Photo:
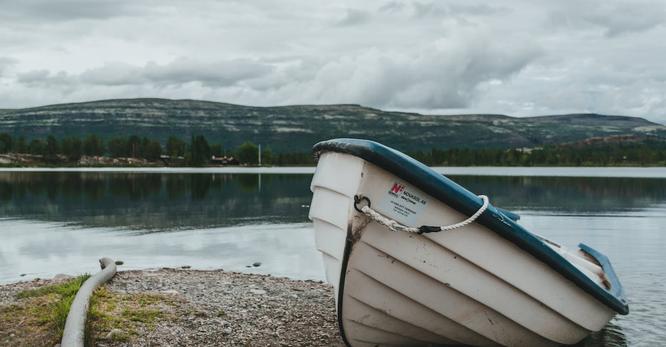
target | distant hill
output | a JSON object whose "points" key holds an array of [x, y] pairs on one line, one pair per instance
{"points": [[297, 128]]}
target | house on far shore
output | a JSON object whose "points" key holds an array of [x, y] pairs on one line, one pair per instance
{"points": [[169, 160], [223, 160]]}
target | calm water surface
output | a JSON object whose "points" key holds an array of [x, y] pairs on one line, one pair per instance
{"points": [[62, 222]]}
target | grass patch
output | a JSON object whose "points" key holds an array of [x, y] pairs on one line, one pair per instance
{"points": [[39, 316], [64, 289], [146, 316], [127, 312], [59, 312], [26, 324]]}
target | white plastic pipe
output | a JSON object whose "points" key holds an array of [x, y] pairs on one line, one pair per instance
{"points": [[74, 333]]}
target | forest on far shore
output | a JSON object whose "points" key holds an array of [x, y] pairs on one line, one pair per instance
{"points": [[200, 152]]}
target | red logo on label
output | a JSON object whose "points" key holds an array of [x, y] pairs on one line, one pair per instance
{"points": [[397, 188]]}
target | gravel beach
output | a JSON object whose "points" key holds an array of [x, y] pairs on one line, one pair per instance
{"points": [[182, 307]]}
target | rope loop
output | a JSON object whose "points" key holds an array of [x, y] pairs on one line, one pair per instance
{"points": [[358, 199], [394, 225]]}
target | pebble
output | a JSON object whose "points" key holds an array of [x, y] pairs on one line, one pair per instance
{"points": [[119, 262], [256, 264], [218, 308], [185, 267], [60, 277], [114, 333]]}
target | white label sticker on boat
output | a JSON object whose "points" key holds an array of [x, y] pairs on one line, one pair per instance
{"points": [[403, 203]]}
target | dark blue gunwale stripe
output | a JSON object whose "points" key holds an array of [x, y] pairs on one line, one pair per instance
{"points": [[466, 202]]}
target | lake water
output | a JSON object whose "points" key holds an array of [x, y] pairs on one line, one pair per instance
{"points": [[62, 222]]}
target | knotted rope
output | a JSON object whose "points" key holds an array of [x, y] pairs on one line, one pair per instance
{"points": [[394, 225]]}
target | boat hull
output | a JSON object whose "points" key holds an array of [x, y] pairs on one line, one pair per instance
{"points": [[467, 286]]}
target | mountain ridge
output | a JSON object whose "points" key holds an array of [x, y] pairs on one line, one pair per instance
{"points": [[294, 128], [500, 115]]}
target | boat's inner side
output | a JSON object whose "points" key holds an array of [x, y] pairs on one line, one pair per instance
{"points": [[465, 286], [583, 262]]}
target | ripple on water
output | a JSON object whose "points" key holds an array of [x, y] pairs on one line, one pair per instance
{"points": [[610, 336]]}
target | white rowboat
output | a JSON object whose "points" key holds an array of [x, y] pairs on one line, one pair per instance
{"points": [[486, 282]]}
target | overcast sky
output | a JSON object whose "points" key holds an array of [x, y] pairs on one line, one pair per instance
{"points": [[513, 57]]}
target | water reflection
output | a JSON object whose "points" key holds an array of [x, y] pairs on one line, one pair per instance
{"points": [[568, 194], [190, 201], [43, 249], [610, 336], [155, 201]]}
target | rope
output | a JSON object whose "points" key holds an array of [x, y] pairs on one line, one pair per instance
{"points": [[394, 225]]}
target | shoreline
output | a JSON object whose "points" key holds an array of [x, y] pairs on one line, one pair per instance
{"points": [[185, 307], [534, 171], [194, 308]]}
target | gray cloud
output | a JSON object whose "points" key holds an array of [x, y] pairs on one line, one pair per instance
{"points": [[392, 6], [353, 17], [441, 9], [67, 10], [613, 18], [5, 63], [523, 58], [45, 78], [180, 71], [441, 75]]}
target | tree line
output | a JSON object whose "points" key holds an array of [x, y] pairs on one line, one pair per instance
{"points": [[644, 153], [199, 151]]}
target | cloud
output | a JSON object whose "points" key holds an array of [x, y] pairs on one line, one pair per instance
{"points": [[179, 72], [612, 18], [457, 56], [33, 76], [392, 6], [443, 74], [577, 85], [6, 63], [45, 78], [114, 74], [628, 18], [67, 10], [440, 9], [353, 17]]}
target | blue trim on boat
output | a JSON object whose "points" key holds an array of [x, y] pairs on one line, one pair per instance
{"points": [[512, 215], [466, 202]]}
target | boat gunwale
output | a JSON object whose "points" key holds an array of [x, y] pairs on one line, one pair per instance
{"points": [[466, 202]]}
